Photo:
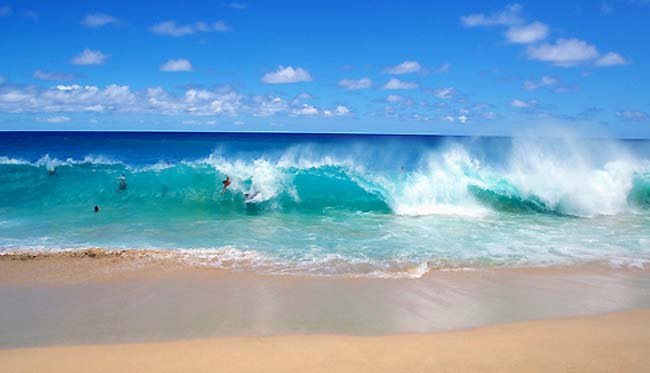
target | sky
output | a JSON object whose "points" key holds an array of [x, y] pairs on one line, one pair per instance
{"points": [[461, 68]]}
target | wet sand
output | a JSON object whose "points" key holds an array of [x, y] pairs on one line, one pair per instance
{"points": [[99, 297], [611, 343]]}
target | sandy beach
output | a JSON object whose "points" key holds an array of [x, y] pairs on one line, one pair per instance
{"points": [[611, 343], [136, 311]]}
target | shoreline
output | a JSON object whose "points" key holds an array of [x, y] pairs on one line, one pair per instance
{"points": [[215, 259], [99, 297], [611, 342]]}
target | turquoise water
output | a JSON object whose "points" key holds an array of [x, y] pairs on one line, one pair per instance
{"points": [[353, 205]]}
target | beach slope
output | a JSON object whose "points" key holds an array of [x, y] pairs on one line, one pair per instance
{"points": [[613, 342]]}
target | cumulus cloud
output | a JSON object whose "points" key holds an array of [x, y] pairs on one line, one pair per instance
{"points": [[222, 101], [176, 65], [399, 84], [489, 115], [545, 81], [444, 93], [527, 34], [306, 110], [339, 111], [565, 52], [170, 28], [442, 68], [52, 75], [520, 104], [56, 119], [284, 75], [573, 52], [90, 57], [353, 85], [395, 98], [406, 67], [451, 119], [237, 6], [610, 59], [509, 16], [633, 116], [95, 20]]}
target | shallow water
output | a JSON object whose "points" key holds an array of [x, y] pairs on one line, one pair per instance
{"points": [[354, 205]]}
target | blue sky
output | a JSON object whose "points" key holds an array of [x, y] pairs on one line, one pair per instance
{"points": [[464, 67]]}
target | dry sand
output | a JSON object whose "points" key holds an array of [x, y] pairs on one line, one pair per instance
{"points": [[611, 343]]}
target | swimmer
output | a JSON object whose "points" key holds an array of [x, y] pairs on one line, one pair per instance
{"points": [[250, 197], [226, 183], [122, 182], [96, 208]]}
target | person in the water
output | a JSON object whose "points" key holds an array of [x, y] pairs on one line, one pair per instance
{"points": [[250, 197], [226, 183], [96, 208], [122, 182]]}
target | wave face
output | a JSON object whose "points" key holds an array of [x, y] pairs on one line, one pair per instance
{"points": [[330, 204]]}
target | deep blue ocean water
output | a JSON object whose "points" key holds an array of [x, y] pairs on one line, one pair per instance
{"points": [[359, 205]]}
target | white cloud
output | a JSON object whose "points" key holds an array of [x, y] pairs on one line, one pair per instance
{"points": [[565, 52], [177, 65], [489, 115], [462, 119], [399, 84], [445, 93], [353, 85], [170, 28], [406, 67], [509, 16], [633, 116], [95, 20], [395, 98], [442, 68], [287, 74], [90, 57], [545, 81], [339, 111], [52, 75], [573, 52], [268, 106], [5, 10], [306, 110], [236, 5], [56, 119], [448, 118], [520, 104], [193, 122], [219, 26], [610, 59], [223, 101], [527, 34]]}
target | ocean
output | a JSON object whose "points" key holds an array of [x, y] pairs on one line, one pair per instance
{"points": [[330, 204]]}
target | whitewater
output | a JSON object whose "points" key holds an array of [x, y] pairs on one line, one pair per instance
{"points": [[333, 205]]}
